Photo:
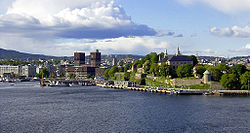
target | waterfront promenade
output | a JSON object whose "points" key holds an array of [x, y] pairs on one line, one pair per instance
{"points": [[180, 91]]}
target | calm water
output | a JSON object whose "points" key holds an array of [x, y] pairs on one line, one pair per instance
{"points": [[25, 107]]}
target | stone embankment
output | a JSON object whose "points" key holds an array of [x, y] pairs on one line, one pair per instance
{"points": [[179, 91]]}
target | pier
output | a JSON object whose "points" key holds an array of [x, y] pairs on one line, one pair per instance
{"points": [[66, 83]]}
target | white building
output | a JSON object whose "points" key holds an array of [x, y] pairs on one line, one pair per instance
{"points": [[10, 69], [28, 70]]}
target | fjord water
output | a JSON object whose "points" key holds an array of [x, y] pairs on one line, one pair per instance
{"points": [[25, 107]]}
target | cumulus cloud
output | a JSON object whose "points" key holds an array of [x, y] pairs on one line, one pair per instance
{"points": [[235, 31], [227, 6], [92, 19]]}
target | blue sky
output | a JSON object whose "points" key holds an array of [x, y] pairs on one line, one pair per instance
{"points": [[60, 27]]}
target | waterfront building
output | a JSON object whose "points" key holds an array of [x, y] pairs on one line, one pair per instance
{"points": [[95, 59], [82, 70], [174, 61], [6, 69], [27, 70], [79, 59]]}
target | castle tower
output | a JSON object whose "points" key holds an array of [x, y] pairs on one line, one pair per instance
{"points": [[166, 54], [197, 56], [206, 77], [178, 53]]}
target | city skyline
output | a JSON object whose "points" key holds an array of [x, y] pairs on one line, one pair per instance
{"points": [[59, 27]]}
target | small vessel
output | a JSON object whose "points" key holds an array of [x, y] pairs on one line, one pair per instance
{"points": [[58, 84]]}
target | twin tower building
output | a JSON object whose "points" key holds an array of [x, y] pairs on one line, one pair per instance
{"points": [[81, 70], [95, 59]]}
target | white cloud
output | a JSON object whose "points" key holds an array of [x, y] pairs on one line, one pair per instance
{"points": [[235, 31], [44, 8], [247, 46], [227, 6], [94, 19]]}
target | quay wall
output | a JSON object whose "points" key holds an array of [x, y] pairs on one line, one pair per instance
{"points": [[185, 82]]}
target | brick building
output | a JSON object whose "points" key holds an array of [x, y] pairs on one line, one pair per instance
{"points": [[95, 59], [81, 70]]}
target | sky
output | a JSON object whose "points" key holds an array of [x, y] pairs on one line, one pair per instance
{"points": [[61, 27]]}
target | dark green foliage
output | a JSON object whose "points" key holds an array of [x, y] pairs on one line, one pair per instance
{"points": [[154, 69], [200, 70], [238, 69], [139, 66], [245, 80], [106, 73], [127, 76], [127, 67], [222, 67], [184, 70], [137, 61], [195, 61], [154, 58], [45, 72], [71, 76], [121, 69], [229, 81], [215, 73], [112, 71], [146, 66], [164, 70]]}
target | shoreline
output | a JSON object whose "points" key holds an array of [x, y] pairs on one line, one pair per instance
{"points": [[180, 91]]}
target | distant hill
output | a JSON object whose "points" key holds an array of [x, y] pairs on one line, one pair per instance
{"points": [[12, 54], [16, 55]]}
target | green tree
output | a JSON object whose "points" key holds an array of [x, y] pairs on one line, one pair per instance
{"points": [[238, 69], [52, 75], [137, 61], [222, 67], [71, 76], [139, 66], [153, 68], [112, 71], [195, 61], [146, 66], [200, 70], [229, 81], [184, 70], [106, 73], [245, 80], [127, 76], [121, 69], [164, 70], [45, 72], [154, 57], [127, 67], [215, 73]]}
